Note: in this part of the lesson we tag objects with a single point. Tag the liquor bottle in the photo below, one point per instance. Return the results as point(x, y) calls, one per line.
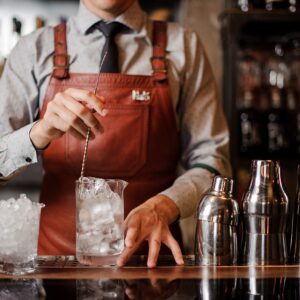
point(293, 115)
point(263, 108)
point(293, 63)
point(250, 124)
point(249, 70)
point(277, 4)
point(277, 121)
point(244, 5)
point(276, 71)
point(294, 5)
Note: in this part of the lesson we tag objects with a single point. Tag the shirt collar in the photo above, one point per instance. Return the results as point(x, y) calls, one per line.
point(133, 17)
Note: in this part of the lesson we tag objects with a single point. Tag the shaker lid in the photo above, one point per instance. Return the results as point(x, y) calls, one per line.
point(217, 204)
point(222, 185)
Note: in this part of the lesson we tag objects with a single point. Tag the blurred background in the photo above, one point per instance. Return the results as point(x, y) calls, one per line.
point(254, 50)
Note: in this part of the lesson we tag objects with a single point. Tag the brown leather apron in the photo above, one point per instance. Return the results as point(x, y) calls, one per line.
point(140, 142)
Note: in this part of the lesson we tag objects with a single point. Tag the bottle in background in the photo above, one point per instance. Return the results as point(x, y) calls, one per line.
point(276, 71)
point(249, 70)
point(276, 4)
point(244, 5)
point(293, 62)
point(263, 107)
point(293, 126)
point(294, 5)
point(278, 141)
point(250, 123)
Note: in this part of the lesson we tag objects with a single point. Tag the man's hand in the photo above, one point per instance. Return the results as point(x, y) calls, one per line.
point(150, 221)
point(149, 289)
point(69, 111)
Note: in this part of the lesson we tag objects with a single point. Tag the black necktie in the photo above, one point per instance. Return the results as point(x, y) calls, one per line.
point(110, 64)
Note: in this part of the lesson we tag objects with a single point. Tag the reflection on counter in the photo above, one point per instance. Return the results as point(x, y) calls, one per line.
point(29, 289)
point(99, 289)
point(159, 289)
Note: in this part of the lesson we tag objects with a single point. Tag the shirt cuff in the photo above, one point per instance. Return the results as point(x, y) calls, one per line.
point(188, 189)
point(17, 151)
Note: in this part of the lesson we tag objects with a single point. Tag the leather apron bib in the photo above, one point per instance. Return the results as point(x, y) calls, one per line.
point(140, 142)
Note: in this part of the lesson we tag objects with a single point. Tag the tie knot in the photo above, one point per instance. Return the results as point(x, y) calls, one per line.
point(110, 29)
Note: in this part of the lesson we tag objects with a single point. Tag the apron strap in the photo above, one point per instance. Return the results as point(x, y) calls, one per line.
point(60, 56)
point(158, 60)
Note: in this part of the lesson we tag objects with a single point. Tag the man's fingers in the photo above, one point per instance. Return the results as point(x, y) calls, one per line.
point(133, 240)
point(175, 249)
point(56, 122)
point(132, 235)
point(69, 118)
point(154, 242)
point(127, 253)
point(92, 100)
point(82, 111)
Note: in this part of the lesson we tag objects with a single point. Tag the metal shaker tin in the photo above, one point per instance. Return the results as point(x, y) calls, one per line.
point(217, 221)
point(265, 208)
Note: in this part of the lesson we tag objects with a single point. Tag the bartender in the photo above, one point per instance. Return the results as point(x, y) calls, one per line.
point(155, 121)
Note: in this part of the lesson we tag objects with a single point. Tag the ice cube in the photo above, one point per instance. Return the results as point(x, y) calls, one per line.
point(116, 203)
point(84, 215)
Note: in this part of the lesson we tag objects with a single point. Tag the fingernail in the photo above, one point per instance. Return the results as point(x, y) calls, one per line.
point(104, 112)
point(150, 265)
point(120, 263)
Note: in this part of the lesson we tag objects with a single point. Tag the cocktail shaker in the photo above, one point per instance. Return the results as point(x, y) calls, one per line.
point(217, 220)
point(295, 244)
point(265, 208)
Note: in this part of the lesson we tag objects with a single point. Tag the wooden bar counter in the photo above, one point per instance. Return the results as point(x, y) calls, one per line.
point(67, 267)
point(65, 278)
